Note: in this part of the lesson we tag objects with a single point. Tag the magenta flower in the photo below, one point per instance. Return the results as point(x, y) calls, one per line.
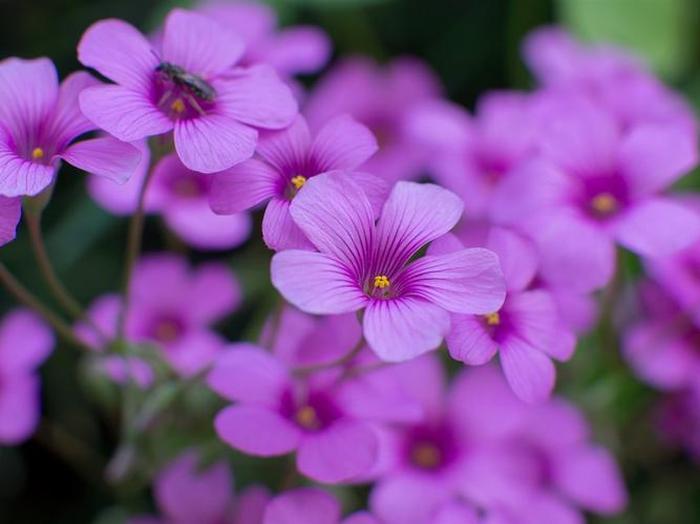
point(525, 332)
point(173, 308)
point(10, 212)
point(328, 422)
point(363, 266)
point(598, 187)
point(607, 75)
point(678, 420)
point(25, 342)
point(382, 99)
point(182, 197)
point(189, 86)
point(287, 159)
point(184, 493)
point(40, 121)
point(291, 51)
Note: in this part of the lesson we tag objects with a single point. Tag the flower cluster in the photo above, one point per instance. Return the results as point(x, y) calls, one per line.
point(501, 253)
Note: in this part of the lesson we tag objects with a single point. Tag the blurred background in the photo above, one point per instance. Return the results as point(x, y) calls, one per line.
point(473, 45)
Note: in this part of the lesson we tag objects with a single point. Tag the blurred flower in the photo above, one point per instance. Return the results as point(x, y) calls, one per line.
point(190, 87)
point(39, 120)
point(363, 266)
point(287, 160)
point(382, 99)
point(10, 212)
point(188, 494)
point(25, 342)
point(173, 308)
point(678, 419)
point(327, 420)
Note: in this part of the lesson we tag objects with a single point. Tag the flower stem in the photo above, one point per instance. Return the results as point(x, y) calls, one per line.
point(24, 296)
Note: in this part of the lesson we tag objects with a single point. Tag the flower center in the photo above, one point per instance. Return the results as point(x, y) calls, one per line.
point(178, 106)
point(493, 319)
point(298, 181)
point(167, 331)
point(307, 417)
point(187, 187)
point(37, 153)
point(426, 455)
point(381, 282)
point(604, 204)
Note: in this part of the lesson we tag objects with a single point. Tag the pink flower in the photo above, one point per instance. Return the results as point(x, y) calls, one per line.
point(598, 187)
point(678, 420)
point(39, 122)
point(382, 99)
point(287, 159)
point(186, 494)
point(363, 266)
point(25, 342)
point(173, 308)
point(291, 51)
point(10, 212)
point(182, 197)
point(189, 86)
point(526, 332)
point(328, 421)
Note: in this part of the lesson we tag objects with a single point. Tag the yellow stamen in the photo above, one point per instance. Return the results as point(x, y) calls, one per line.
point(307, 417)
point(37, 153)
point(493, 319)
point(604, 203)
point(167, 331)
point(426, 456)
point(298, 181)
point(381, 281)
point(178, 106)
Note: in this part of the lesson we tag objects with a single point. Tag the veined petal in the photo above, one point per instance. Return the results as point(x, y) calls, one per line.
point(468, 281)
point(316, 283)
point(20, 177)
point(242, 187)
point(279, 231)
point(286, 149)
point(337, 217)
point(199, 44)
point(529, 371)
point(120, 52)
point(10, 212)
point(469, 342)
point(405, 327)
point(67, 120)
point(343, 143)
point(104, 156)
point(413, 215)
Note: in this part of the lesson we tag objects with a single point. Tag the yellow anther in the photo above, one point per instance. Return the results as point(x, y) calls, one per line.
point(381, 281)
point(178, 105)
point(604, 204)
point(493, 319)
point(426, 456)
point(298, 181)
point(37, 153)
point(307, 417)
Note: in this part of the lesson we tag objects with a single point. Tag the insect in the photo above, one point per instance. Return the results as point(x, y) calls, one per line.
point(184, 80)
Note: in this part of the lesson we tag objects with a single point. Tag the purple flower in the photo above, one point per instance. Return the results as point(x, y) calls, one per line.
point(39, 122)
point(597, 187)
point(610, 76)
point(287, 159)
point(328, 421)
point(303, 506)
point(363, 266)
point(173, 308)
point(291, 51)
point(382, 99)
point(678, 420)
point(25, 342)
point(189, 86)
point(10, 212)
point(185, 494)
point(525, 332)
point(182, 197)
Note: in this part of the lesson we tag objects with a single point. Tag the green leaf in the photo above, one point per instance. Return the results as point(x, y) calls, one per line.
point(661, 31)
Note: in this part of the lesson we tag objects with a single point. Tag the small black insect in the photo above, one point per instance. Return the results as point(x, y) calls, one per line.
point(184, 80)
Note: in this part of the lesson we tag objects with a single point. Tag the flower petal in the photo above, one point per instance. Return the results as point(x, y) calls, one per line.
point(19, 408)
point(658, 227)
point(120, 52)
point(20, 177)
point(298, 50)
point(242, 187)
point(469, 342)
point(287, 149)
point(315, 283)
point(201, 228)
point(128, 115)
point(214, 293)
point(25, 342)
point(342, 452)
point(104, 156)
point(213, 143)
point(343, 143)
point(67, 120)
point(256, 431)
point(256, 96)
point(407, 499)
point(529, 371)
point(303, 506)
point(403, 328)
point(517, 256)
point(10, 212)
point(279, 231)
